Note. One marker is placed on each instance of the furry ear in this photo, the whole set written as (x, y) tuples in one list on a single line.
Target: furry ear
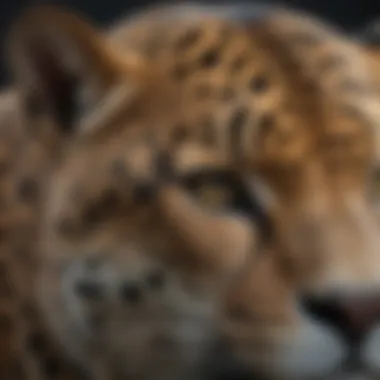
[(64, 66)]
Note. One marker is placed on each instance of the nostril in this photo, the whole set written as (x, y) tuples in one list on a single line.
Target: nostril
[(131, 293), (325, 310), (351, 323), (88, 289)]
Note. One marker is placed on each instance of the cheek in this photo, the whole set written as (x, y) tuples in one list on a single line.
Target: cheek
[(129, 312), (310, 350), (371, 350), (304, 350), (64, 315)]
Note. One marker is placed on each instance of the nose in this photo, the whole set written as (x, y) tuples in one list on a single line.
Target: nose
[(351, 316)]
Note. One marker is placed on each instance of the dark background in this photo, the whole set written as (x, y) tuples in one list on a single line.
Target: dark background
[(349, 14)]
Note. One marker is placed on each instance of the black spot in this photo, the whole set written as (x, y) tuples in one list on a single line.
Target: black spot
[(209, 59), (266, 124), (179, 133), (131, 293), (89, 290), (156, 280), (227, 93), (208, 136), (51, 366), (188, 39), (36, 342), (258, 83), (27, 189), (143, 193), (237, 122)]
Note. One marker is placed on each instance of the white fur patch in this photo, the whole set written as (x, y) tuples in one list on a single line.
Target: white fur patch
[(310, 351), (371, 351), (314, 350)]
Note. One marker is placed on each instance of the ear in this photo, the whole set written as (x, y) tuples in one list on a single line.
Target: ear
[(66, 69)]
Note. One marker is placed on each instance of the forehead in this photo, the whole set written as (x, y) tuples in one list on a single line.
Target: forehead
[(220, 91), (238, 84)]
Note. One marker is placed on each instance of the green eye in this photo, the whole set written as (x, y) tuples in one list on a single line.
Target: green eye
[(224, 191), (219, 189), (213, 188)]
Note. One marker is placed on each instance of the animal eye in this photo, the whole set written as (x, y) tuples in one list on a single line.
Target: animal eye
[(223, 190), (213, 189), (218, 189), (214, 196)]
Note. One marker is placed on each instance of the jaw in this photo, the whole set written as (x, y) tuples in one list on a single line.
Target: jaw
[(309, 351), (166, 336), (165, 350)]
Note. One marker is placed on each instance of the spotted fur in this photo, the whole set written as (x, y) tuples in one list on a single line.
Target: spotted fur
[(119, 128)]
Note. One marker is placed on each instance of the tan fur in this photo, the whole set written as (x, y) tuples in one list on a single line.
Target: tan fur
[(279, 96)]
